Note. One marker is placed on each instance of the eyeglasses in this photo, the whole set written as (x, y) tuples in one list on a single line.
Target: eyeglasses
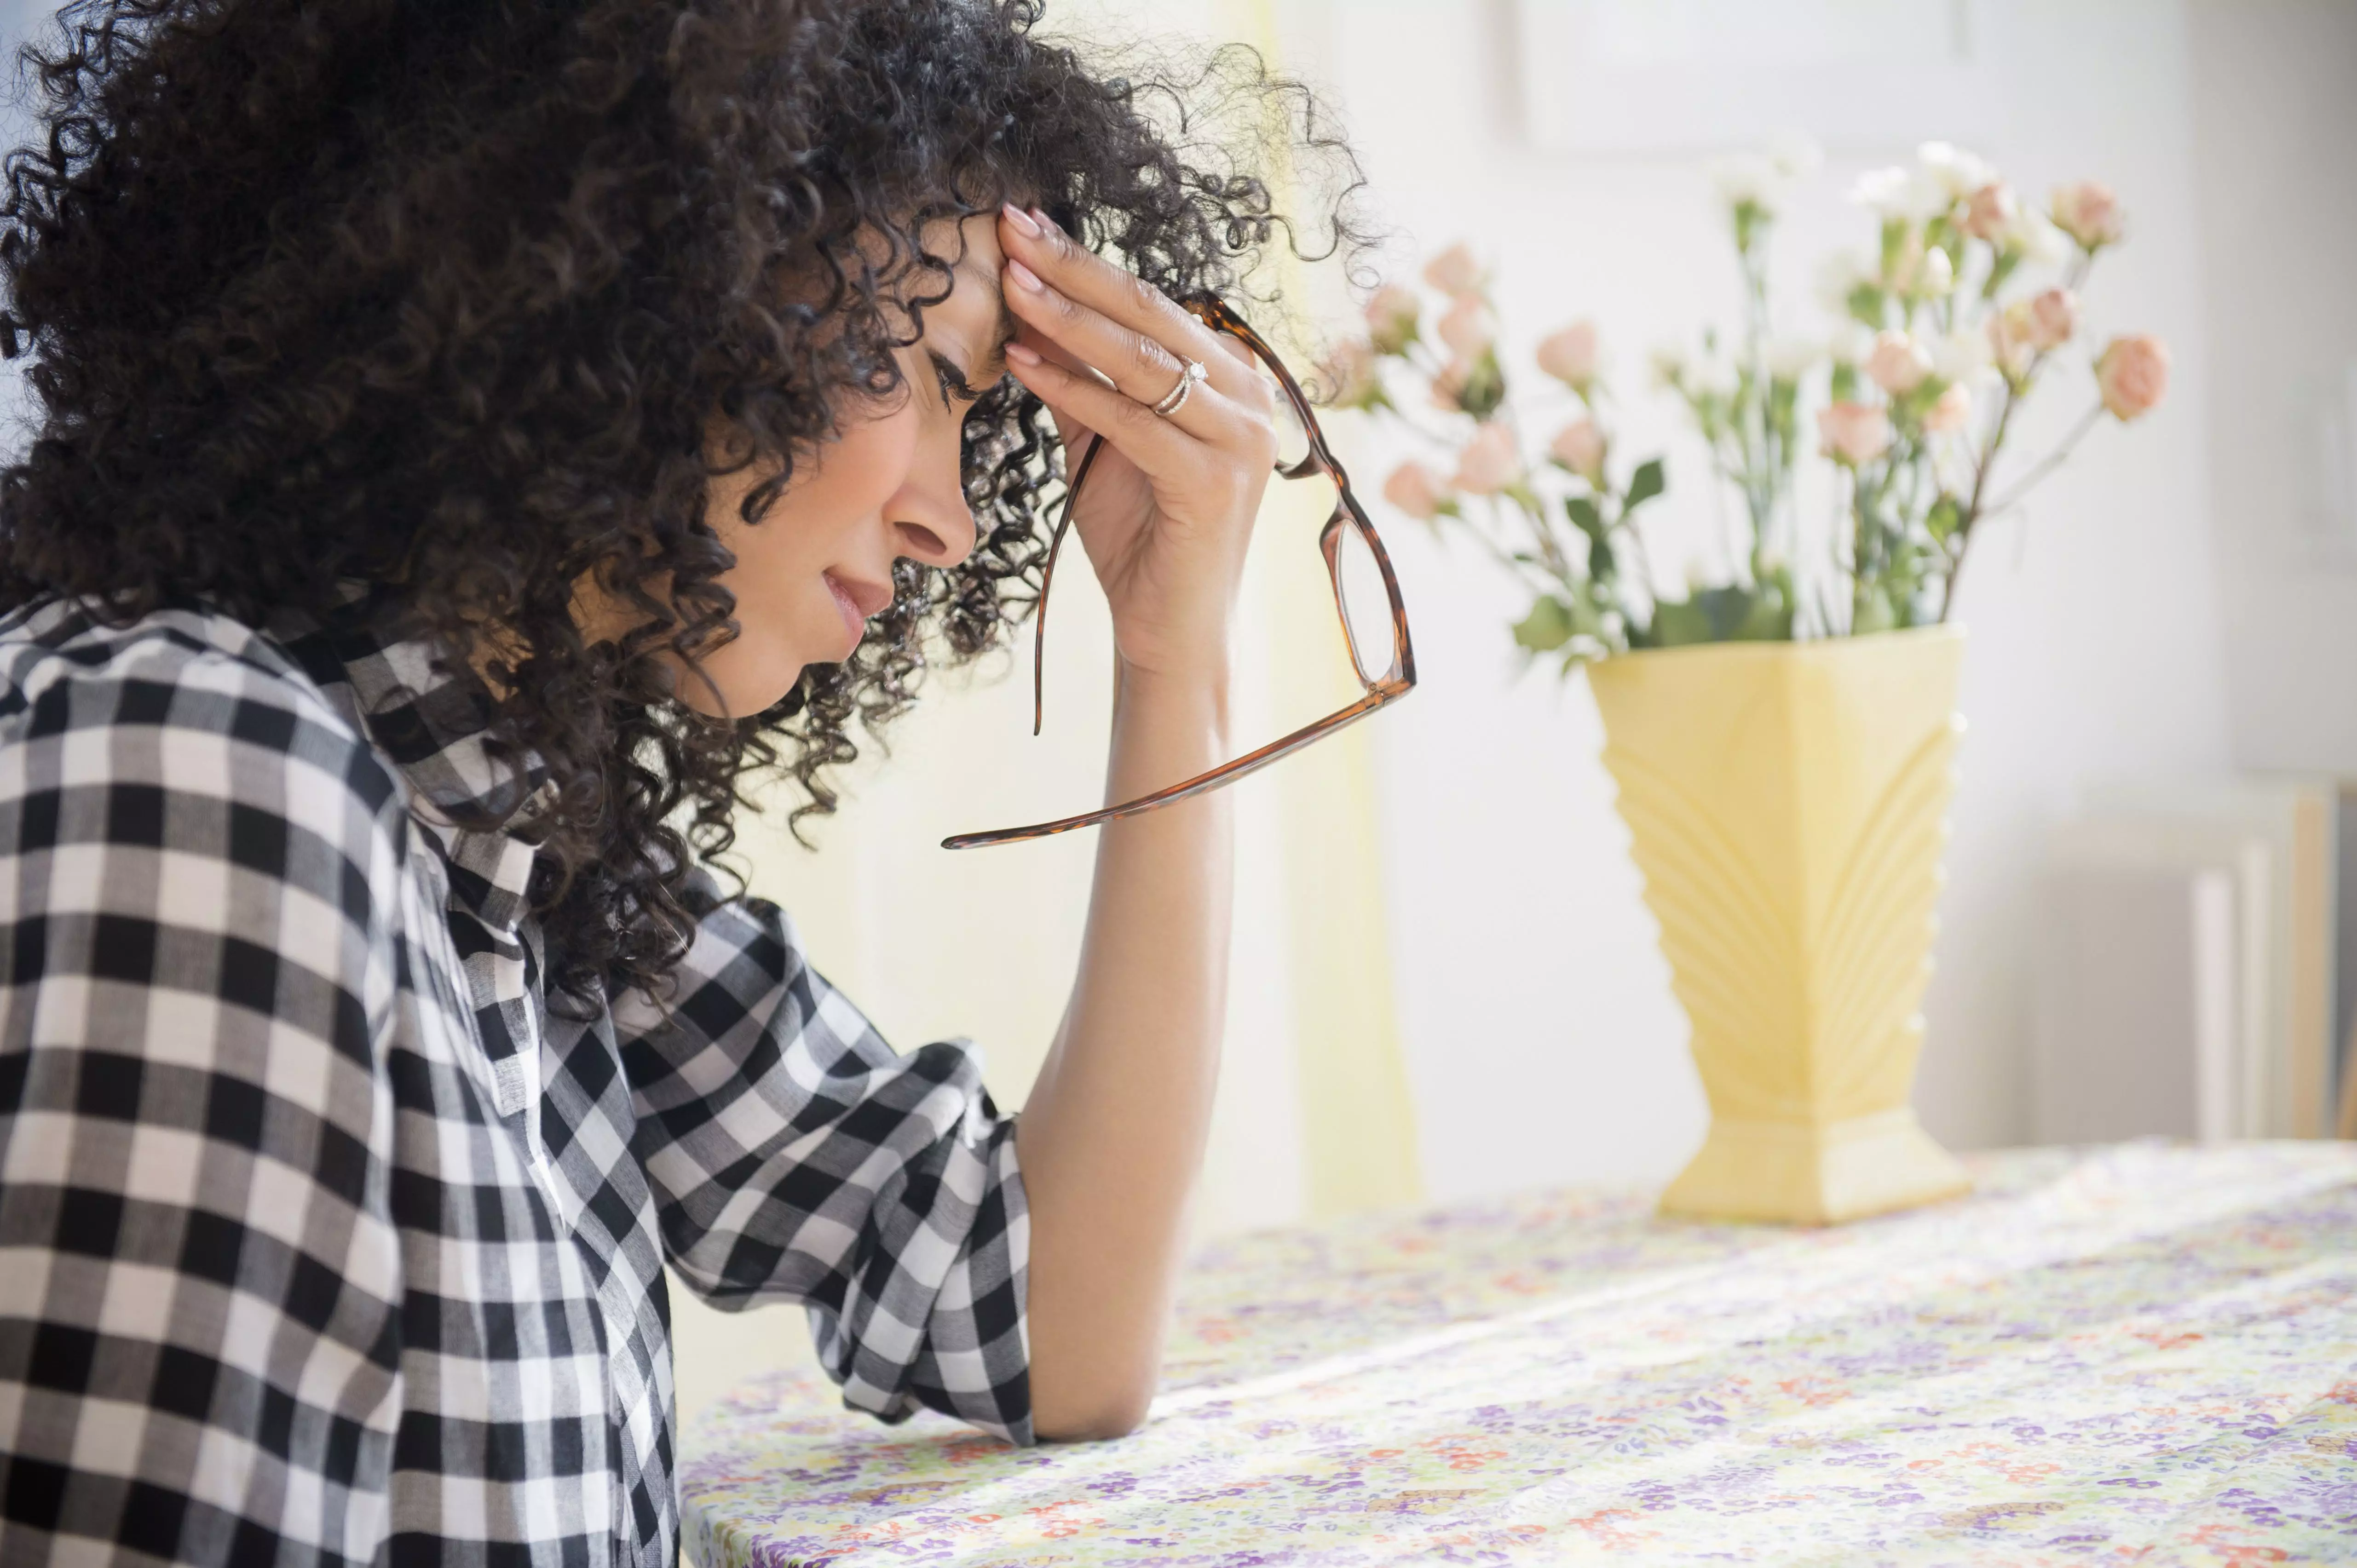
[(1366, 595)]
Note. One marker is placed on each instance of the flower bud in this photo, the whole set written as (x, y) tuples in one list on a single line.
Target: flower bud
[(1415, 491), (1951, 411), (1854, 433), (1392, 316), (1991, 213), (2052, 317), (1898, 363), (1465, 327), (1571, 355), (1453, 271), (1579, 446), (1488, 463), (2088, 213), (2133, 376)]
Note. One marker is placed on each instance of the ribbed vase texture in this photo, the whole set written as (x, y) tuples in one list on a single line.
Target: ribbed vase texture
[(1788, 807)]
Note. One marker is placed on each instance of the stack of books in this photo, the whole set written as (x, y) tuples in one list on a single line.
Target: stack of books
[(2197, 965)]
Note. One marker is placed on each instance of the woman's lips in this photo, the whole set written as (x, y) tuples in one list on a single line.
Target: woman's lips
[(857, 601)]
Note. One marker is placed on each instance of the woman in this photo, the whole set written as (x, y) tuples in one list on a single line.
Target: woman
[(471, 437)]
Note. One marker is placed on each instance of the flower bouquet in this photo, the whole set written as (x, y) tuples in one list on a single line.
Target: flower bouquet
[(1783, 737), (1968, 302)]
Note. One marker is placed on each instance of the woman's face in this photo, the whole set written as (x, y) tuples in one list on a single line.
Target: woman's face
[(819, 563)]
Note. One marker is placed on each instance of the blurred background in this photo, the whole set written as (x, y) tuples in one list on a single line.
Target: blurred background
[(1445, 982)]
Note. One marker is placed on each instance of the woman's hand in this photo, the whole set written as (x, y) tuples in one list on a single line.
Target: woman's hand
[(1167, 511)]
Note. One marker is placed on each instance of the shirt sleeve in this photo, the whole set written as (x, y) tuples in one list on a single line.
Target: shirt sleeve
[(199, 1274), (795, 1157)]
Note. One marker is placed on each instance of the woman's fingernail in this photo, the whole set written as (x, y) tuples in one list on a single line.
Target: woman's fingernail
[(1025, 277), (1039, 216), (1019, 354), (1020, 218)]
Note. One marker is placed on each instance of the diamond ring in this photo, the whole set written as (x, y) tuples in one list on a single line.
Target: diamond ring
[(1178, 395)]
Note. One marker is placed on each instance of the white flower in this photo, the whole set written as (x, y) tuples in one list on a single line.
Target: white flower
[(2034, 235), (1961, 355), (1748, 179), (1838, 276), (1796, 157), (1712, 377), (1850, 344), (1936, 279), (1670, 362), (1789, 354), (1957, 173), (1765, 177), (1900, 194)]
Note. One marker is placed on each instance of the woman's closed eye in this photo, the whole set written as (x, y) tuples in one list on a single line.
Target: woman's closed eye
[(952, 380)]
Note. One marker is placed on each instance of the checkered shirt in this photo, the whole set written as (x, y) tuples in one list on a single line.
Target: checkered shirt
[(324, 1236)]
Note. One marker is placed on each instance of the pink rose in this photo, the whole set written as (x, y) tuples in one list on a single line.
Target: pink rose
[(1951, 411), (1854, 433), (2052, 317), (1990, 214), (2088, 213), (1579, 446), (1488, 463), (1466, 328), (1896, 363), (1448, 385), (1571, 354), (1350, 375), (2133, 375), (1392, 316), (2009, 333), (1415, 491), (1453, 271)]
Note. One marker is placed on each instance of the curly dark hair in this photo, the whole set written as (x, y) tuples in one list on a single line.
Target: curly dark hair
[(449, 297)]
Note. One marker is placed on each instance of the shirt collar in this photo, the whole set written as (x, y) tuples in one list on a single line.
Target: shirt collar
[(431, 718)]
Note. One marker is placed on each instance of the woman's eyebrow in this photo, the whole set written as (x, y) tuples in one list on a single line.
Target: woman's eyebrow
[(993, 360)]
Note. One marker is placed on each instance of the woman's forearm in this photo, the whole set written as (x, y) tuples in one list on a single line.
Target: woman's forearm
[(1113, 1135)]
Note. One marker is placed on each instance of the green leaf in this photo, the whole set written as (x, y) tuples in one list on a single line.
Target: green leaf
[(1677, 624), (1770, 620), (1601, 566), (1643, 485), (1873, 612), (1585, 515), (1865, 304), (1549, 626), (1947, 515), (1485, 387)]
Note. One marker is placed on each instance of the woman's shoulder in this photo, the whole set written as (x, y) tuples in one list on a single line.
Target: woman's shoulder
[(185, 700)]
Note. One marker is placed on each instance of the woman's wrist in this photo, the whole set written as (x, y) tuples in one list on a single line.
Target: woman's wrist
[(1195, 688)]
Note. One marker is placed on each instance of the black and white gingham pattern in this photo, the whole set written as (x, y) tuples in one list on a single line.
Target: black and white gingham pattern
[(322, 1239)]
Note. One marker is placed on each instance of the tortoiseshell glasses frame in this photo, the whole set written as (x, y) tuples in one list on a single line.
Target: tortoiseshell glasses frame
[(1346, 523)]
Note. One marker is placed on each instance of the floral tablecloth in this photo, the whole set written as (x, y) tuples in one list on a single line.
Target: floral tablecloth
[(2147, 1353)]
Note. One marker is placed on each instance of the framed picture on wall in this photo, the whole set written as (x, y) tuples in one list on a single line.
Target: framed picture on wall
[(1681, 76)]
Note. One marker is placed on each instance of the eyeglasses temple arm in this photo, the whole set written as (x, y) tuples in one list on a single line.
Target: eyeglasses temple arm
[(1047, 576)]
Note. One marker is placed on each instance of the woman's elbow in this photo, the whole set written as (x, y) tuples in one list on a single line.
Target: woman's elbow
[(1108, 1413)]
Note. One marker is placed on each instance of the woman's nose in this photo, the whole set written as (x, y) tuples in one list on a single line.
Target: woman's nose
[(937, 543)]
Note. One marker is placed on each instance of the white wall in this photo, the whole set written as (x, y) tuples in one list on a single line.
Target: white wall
[(2275, 112), (1543, 1042)]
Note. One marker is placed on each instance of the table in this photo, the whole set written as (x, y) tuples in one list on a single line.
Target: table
[(2146, 1349)]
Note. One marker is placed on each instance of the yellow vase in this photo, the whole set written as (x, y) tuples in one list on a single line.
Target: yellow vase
[(1788, 804)]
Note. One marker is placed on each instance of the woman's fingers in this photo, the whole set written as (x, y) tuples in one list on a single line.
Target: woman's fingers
[(1155, 444), (1155, 333), (1140, 369)]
